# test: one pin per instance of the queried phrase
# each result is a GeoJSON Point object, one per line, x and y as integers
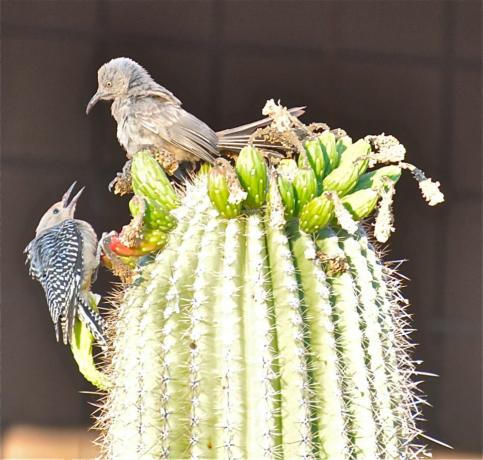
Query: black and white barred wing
{"type": "Point", "coordinates": [55, 258]}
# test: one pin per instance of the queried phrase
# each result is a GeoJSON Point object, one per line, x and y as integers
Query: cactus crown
{"type": "Point", "coordinates": [256, 318]}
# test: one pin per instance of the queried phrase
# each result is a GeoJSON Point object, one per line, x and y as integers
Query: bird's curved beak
{"type": "Point", "coordinates": [73, 202]}
{"type": "Point", "coordinates": [94, 100]}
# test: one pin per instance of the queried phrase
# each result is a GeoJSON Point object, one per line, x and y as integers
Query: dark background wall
{"type": "Point", "coordinates": [407, 68]}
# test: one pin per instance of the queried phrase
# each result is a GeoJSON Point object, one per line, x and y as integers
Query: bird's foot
{"type": "Point", "coordinates": [132, 233]}
{"type": "Point", "coordinates": [167, 160]}
{"type": "Point", "coordinates": [121, 184]}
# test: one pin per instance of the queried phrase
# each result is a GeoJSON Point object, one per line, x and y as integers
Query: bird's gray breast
{"type": "Point", "coordinates": [132, 134]}
{"type": "Point", "coordinates": [120, 112]}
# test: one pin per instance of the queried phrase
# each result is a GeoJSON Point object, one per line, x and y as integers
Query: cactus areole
{"type": "Point", "coordinates": [256, 318]}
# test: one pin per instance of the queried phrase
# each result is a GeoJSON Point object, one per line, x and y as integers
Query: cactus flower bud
{"type": "Point", "coordinates": [317, 157]}
{"type": "Point", "coordinates": [342, 144]}
{"type": "Point", "coordinates": [305, 185]}
{"type": "Point", "coordinates": [376, 179]}
{"type": "Point", "coordinates": [342, 179]}
{"type": "Point", "coordinates": [155, 215]}
{"type": "Point", "coordinates": [150, 241]}
{"type": "Point", "coordinates": [361, 203]}
{"type": "Point", "coordinates": [287, 193]}
{"type": "Point", "coordinates": [253, 174]}
{"type": "Point", "coordinates": [150, 181]}
{"type": "Point", "coordinates": [316, 214]}
{"type": "Point", "coordinates": [327, 143]}
{"type": "Point", "coordinates": [224, 189]}
{"type": "Point", "coordinates": [357, 154]}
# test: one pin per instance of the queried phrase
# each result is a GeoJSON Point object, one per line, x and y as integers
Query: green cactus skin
{"type": "Point", "coordinates": [241, 340]}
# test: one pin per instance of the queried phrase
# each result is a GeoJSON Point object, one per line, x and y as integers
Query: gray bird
{"type": "Point", "coordinates": [148, 115]}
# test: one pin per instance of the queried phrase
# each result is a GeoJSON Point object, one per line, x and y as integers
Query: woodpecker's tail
{"type": "Point", "coordinates": [93, 320]}
{"type": "Point", "coordinates": [235, 139]}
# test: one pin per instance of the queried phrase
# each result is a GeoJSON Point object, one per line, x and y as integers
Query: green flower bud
{"type": "Point", "coordinates": [305, 185]}
{"type": "Point", "coordinates": [361, 203]}
{"type": "Point", "coordinates": [253, 175]}
{"type": "Point", "coordinates": [356, 154]}
{"type": "Point", "coordinates": [342, 179]}
{"type": "Point", "coordinates": [316, 214]}
{"type": "Point", "coordinates": [327, 143]}
{"type": "Point", "coordinates": [153, 240]}
{"type": "Point", "coordinates": [317, 157]}
{"type": "Point", "coordinates": [286, 171]}
{"type": "Point", "coordinates": [287, 193]}
{"type": "Point", "coordinates": [342, 144]}
{"type": "Point", "coordinates": [375, 179]}
{"type": "Point", "coordinates": [221, 190]}
{"type": "Point", "coordinates": [150, 181]}
{"type": "Point", "coordinates": [155, 216]}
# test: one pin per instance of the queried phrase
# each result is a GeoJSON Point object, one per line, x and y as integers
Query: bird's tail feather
{"type": "Point", "coordinates": [93, 320]}
{"type": "Point", "coordinates": [236, 138]}
{"type": "Point", "coordinates": [250, 127]}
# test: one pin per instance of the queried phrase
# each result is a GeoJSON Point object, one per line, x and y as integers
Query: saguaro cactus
{"type": "Point", "coordinates": [265, 325]}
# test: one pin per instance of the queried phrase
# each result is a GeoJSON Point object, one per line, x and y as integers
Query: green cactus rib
{"type": "Point", "coordinates": [209, 404]}
{"type": "Point", "coordinates": [373, 336]}
{"type": "Point", "coordinates": [355, 375]}
{"type": "Point", "coordinates": [262, 398]}
{"type": "Point", "coordinates": [398, 384]}
{"type": "Point", "coordinates": [124, 417]}
{"type": "Point", "coordinates": [289, 328]}
{"type": "Point", "coordinates": [229, 343]}
{"type": "Point", "coordinates": [176, 405]}
{"type": "Point", "coordinates": [326, 381]}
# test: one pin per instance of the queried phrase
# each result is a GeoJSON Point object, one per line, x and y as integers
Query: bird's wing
{"type": "Point", "coordinates": [57, 258]}
{"type": "Point", "coordinates": [177, 127]}
{"type": "Point", "coordinates": [164, 94]}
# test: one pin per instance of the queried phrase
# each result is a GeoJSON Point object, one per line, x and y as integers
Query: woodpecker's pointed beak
{"type": "Point", "coordinates": [73, 202]}
{"type": "Point", "coordinates": [94, 100]}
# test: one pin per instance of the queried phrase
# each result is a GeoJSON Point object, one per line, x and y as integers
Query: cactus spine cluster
{"type": "Point", "coordinates": [264, 325]}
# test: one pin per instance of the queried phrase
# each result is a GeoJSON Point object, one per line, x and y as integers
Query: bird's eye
{"type": "Point", "coordinates": [109, 84]}
{"type": "Point", "coordinates": [55, 211]}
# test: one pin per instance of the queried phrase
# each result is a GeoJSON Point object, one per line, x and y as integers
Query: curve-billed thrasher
{"type": "Point", "coordinates": [150, 116]}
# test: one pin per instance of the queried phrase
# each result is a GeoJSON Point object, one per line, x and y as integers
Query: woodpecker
{"type": "Point", "coordinates": [64, 257]}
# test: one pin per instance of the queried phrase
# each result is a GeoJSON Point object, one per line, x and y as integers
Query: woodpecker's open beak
{"type": "Point", "coordinates": [94, 100]}
{"type": "Point", "coordinates": [73, 202]}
